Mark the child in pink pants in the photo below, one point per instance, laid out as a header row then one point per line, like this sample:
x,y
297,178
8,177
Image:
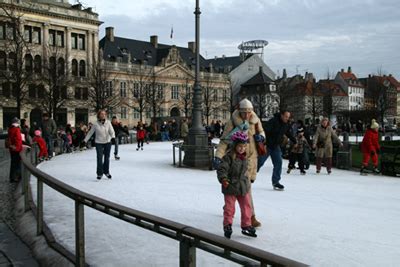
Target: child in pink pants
x,y
235,185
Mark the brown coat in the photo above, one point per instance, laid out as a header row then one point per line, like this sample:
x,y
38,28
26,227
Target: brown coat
x,y
252,149
324,137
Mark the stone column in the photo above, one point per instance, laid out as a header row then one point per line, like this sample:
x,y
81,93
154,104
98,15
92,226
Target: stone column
x,y
89,51
68,50
45,42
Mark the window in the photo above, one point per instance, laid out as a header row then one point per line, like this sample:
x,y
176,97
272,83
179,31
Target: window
x,y
36,35
60,39
53,66
40,91
32,91
38,64
12,61
52,37
175,92
74,40
123,113
123,89
110,112
6,89
136,114
78,93
10,31
85,93
56,38
64,92
28,63
74,67
224,114
28,34
61,66
215,95
81,42
109,88
148,113
135,90
224,95
82,68
160,91
3,60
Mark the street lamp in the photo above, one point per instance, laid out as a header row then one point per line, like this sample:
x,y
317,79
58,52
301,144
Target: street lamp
x,y
196,149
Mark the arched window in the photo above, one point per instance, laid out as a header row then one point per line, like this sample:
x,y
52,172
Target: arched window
x,y
28,63
12,61
38,64
53,66
82,68
61,66
74,67
3,60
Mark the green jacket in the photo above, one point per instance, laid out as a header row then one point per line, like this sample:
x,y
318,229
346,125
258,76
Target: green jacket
x,y
234,170
49,128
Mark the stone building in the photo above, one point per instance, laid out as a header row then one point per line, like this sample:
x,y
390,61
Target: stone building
x,y
155,81
57,35
353,88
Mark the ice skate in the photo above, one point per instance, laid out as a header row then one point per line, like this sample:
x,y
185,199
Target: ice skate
x,y
228,231
249,231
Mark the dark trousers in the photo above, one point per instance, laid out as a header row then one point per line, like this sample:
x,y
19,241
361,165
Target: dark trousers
x,y
140,143
299,157
328,163
50,145
103,151
276,156
15,168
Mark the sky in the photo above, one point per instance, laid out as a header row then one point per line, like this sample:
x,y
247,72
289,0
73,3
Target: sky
x,y
318,36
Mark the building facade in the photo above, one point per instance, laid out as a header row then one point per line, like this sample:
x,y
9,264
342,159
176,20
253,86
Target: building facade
x,y
154,81
353,88
59,44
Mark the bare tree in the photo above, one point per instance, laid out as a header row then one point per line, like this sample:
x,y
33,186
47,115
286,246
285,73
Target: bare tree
x,y
154,94
333,97
186,96
141,78
16,67
210,100
56,80
101,81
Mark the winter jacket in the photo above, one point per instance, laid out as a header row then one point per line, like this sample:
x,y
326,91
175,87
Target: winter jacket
x,y
184,129
15,139
140,134
275,129
42,146
234,170
301,143
323,140
370,141
49,128
118,129
103,130
254,127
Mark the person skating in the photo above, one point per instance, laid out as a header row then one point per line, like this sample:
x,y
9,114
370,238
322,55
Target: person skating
x,y
140,136
297,152
236,186
275,130
370,147
43,153
246,120
118,130
323,143
49,132
104,132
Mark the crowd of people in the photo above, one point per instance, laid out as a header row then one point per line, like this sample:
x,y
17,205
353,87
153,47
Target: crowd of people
x,y
245,144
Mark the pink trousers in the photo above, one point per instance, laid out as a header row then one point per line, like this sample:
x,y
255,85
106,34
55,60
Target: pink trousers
x,y
245,209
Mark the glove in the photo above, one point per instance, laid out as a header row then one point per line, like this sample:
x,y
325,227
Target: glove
x,y
252,181
259,138
225,183
216,163
372,153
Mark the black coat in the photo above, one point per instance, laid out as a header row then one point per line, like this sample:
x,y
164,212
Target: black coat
x,y
275,129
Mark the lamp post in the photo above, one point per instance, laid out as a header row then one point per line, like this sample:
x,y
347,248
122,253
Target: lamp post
x,y
196,150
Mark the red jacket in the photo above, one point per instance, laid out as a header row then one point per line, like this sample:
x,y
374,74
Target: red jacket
x,y
15,139
42,146
140,134
370,141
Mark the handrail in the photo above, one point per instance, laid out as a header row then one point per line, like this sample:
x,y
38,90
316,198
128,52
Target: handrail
x,y
190,238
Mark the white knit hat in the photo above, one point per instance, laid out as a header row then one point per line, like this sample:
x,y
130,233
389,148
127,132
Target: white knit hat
x,y
374,124
245,105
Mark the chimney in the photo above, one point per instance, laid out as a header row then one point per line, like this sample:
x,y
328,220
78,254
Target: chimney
x,y
342,70
349,69
390,75
110,33
369,76
261,69
284,75
192,46
154,40
223,56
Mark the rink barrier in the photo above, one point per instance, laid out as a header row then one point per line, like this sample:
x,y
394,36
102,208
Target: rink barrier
x,y
189,238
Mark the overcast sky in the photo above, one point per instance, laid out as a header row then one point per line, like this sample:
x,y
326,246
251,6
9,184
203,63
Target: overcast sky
x,y
304,35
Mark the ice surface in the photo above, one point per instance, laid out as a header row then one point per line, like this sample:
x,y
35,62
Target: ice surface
x,y
339,220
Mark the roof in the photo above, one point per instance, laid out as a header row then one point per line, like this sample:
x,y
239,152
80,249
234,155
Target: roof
x,y
351,79
141,51
327,86
307,88
226,64
259,79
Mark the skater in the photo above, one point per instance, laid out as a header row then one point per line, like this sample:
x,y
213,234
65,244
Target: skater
x,y
370,147
277,130
104,133
118,130
246,120
236,186
43,153
164,129
140,136
14,145
49,132
322,142
297,152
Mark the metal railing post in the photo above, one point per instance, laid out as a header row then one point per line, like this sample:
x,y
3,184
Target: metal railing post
x,y
180,155
79,234
187,253
173,154
39,206
25,182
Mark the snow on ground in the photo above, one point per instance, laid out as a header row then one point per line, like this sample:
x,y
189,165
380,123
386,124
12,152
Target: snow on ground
x,y
340,220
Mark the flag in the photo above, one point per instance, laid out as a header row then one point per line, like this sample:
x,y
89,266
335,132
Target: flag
x,y
172,32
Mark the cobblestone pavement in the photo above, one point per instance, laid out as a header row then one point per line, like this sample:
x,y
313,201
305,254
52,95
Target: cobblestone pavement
x,y
6,190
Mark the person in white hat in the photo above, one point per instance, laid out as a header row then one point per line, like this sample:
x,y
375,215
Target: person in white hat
x,y
243,119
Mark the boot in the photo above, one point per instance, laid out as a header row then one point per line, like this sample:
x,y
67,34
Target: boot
x,y
329,165
318,162
228,231
249,231
254,222
376,170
